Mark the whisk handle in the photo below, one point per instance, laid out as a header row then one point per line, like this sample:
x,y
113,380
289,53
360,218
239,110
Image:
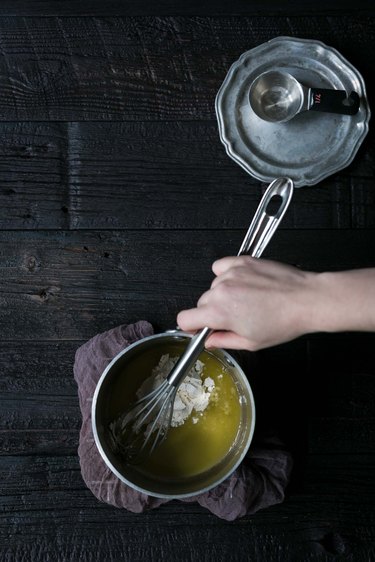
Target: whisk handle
x,y
189,357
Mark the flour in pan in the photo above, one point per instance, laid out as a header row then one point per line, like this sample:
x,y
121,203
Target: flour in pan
x,y
193,394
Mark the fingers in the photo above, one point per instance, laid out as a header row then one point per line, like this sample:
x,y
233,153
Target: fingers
x,y
192,319
221,266
210,309
229,340
212,306
229,268
188,322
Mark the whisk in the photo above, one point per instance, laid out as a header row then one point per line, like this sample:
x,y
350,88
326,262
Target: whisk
x,y
145,424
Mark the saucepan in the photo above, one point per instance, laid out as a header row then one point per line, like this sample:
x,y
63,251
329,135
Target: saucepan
x,y
110,400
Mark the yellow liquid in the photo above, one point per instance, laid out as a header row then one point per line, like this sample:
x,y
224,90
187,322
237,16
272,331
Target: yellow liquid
x,y
193,448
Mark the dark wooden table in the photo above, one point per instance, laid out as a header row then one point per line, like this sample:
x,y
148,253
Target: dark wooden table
x,y
115,197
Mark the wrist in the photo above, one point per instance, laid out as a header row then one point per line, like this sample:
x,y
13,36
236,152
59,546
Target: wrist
x,y
318,304
324,306
343,301
310,301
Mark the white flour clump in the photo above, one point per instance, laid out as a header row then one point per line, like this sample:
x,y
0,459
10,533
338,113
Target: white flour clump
x,y
192,394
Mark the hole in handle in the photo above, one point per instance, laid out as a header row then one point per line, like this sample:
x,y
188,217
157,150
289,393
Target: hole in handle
x,y
274,205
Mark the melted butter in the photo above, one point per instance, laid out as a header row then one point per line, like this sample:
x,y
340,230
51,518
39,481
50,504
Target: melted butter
x,y
191,448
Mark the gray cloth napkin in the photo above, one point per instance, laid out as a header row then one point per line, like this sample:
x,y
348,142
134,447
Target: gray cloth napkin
x,y
259,481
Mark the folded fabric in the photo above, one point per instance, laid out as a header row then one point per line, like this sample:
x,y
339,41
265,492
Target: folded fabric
x,y
259,481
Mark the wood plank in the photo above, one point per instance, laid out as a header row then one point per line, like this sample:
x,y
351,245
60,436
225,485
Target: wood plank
x,y
71,285
341,395
342,366
39,412
171,175
44,496
363,204
177,175
38,368
144,68
315,404
169,7
30,411
40,442
341,435
34,172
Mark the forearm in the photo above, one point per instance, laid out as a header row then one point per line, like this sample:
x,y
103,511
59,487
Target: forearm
x,y
344,301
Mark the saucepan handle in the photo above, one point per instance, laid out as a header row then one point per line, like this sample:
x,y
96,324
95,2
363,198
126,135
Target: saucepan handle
x,y
266,219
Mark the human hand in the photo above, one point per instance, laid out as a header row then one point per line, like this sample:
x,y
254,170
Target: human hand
x,y
252,304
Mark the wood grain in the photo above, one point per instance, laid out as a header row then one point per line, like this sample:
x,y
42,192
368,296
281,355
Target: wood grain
x,y
144,68
154,176
70,285
57,505
169,7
